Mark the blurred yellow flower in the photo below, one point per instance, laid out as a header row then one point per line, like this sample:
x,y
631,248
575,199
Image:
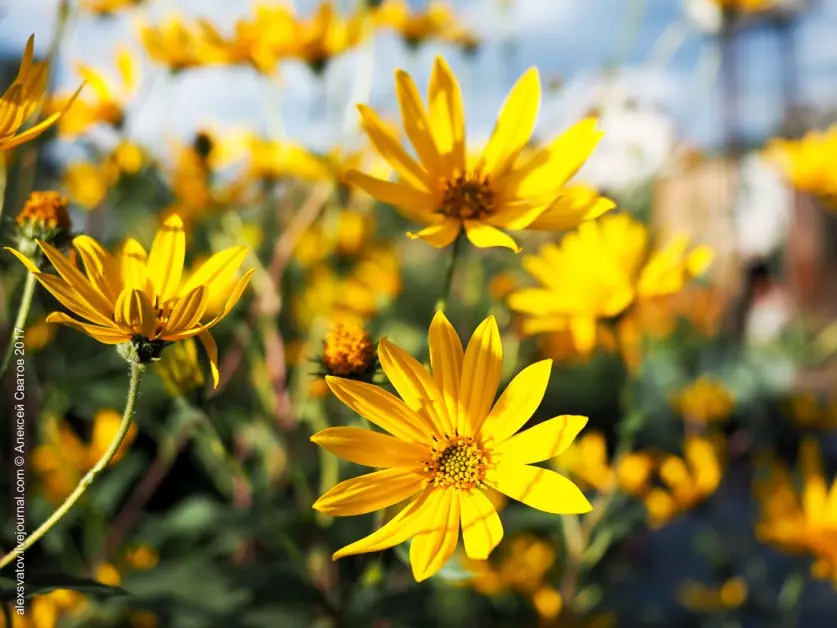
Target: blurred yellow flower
x,y
38,335
586,461
139,296
250,44
61,458
141,557
326,35
446,444
705,400
747,6
808,163
599,271
272,160
686,481
809,411
700,598
433,23
180,369
345,240
348,351
178,45
449,192
108,107
804,521
48,610
22,99
108,7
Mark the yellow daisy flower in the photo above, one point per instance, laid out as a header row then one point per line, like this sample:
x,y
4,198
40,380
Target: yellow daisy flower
x,y
22,99
141,297
447,442
448,191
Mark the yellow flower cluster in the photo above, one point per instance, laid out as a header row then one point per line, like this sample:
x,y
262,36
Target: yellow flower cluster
x,y
808,163
705,400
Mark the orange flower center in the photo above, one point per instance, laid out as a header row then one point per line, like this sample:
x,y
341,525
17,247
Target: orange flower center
x,y
459,462
467,197
348,350
48,209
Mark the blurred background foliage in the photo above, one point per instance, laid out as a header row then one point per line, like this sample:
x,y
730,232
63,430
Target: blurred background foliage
x,y
710,451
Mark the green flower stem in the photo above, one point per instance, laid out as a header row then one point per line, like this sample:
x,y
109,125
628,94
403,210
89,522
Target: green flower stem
x,y
87,480
20,321
2,186
456,249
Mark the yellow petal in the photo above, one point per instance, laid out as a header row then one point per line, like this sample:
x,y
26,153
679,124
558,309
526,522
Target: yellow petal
x,y
440,235
370,492
390,149
381,408
77,281
583,330
542,442
516,216
518,402
514,124
577,204
539,488
403,526
447,117
415,121
211,349
482,530
433,546
415,385
484,236
187,313
30,265
699,260
165,260
215,273
446,357
99,263
371,449
481,370
105,335
69,299
413,203
132,263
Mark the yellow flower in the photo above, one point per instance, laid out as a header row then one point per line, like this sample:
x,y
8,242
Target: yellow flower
x,y
250,44
705,400
178,45
586,461
326,35
88,184
597,272
700,598
808,411
62,458
48,610
348,351
688,481
415,28
446,444
808,163
179,368
448,191
109,104
43,217
109,7
22,98
747,6
139,296
804,521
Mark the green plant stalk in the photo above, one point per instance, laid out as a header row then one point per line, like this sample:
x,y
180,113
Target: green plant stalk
x,y
456,249
89,478
20,320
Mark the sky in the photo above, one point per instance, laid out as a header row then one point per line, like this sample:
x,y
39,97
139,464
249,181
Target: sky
x,y
571,41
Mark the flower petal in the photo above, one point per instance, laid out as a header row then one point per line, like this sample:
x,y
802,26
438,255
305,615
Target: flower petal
x,y
132,265
76,280
518,402
482,367
187,312
390,149
383,409
69,299
370,492
433,546
515,124
105,335
577,204
413,203
541,442
215,273
447,116
371,449
211,349
415,385
446,356
99,264
439,235
482,530
165,260
484,236
403,526
539,488
416,124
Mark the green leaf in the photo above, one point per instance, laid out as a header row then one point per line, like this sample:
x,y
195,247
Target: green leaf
x,y
40,583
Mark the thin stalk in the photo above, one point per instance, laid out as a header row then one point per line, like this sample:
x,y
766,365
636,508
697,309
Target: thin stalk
x,y
88,479
456,249
20,321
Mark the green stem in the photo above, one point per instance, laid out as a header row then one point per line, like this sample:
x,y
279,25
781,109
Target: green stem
x,y
20,321
87,480
456,249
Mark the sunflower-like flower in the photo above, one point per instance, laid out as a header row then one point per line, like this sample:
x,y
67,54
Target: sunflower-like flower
x,y
599,271
326,35
435,22
22,99
448,440
142,298
448,191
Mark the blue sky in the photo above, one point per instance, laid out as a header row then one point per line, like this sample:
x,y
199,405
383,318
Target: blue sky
x,y
571,39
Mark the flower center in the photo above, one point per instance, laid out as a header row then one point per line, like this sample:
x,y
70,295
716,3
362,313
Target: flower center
x,y
45,208
348,350
458,462
467,197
